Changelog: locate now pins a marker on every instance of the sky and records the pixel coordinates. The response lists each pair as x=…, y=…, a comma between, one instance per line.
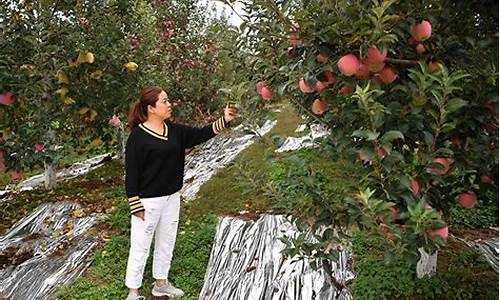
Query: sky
x=233, y=18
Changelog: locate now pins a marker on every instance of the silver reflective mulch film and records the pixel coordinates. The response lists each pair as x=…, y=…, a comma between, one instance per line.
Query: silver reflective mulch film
x=45, y=249
x=488, y=248
x=246, y=263
x=75, y=170
x=307, y=141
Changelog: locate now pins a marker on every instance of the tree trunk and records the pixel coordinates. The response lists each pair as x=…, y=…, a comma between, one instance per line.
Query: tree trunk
x=426, y=265
x=50, y=168
x=50, y=176
x=120, y=133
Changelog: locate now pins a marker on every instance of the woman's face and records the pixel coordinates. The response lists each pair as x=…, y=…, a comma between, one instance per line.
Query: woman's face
x=163, y=108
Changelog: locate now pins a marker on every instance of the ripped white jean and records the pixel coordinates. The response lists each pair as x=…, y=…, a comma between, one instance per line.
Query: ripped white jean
x=161, y=218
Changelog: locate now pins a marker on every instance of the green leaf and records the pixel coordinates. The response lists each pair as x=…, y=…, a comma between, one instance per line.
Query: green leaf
x=428, y=138
x=437, y=96
x=243, y=25
x=225, y=91
x=391, y=135
x=366, y=134
x=282, y=88
x=448, y=127
x=455, y=104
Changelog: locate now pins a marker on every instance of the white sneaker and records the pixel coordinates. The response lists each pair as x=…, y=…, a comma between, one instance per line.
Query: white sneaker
x=166, y=290
x=134, y=297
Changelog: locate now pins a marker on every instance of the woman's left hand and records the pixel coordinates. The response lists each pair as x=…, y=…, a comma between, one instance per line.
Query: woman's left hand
x=229, y=113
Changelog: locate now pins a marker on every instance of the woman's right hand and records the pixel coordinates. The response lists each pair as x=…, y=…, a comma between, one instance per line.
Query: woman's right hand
x=140, y=214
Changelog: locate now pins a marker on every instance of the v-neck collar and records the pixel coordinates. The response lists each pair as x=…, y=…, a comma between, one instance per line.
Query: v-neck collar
x=163, y=136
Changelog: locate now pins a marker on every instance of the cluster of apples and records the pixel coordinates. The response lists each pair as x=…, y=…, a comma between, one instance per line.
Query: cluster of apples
x=167, y=29
x=374, y=62
x=350, y=65
x=419, y=33
x=466, y=199
x=189, y=63
x=135, y=41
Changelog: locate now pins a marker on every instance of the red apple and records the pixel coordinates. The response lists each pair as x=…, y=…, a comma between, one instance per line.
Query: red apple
x=377, y=79
x=6, y=99
x=266, y=93
x=319, y=86
x=387, y=75
x=441, y=232
x=394, y=213
x=415, y=187
x=293, y=39
x=435, y=66
x=420, y=48
x=485, y=179
x=115, y=122
x=329, y=77
x=134, y=42
x=444, y=162
x=303, y=86
x=348, y=64
x=363, y=72
x=322, y=59
x=15, y=174
x=422, y=31
x=38, y=147
x=346, y=89
x=169, y=23
x=319, y=106
x=381, y=152
x=362, y=156
x=467, y=199
x=259, y=86
x=375, y=60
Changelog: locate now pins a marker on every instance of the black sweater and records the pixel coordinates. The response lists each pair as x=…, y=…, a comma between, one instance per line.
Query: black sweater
x=154, y=164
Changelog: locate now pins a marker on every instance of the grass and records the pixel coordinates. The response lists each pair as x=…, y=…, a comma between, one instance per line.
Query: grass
x=461, y=274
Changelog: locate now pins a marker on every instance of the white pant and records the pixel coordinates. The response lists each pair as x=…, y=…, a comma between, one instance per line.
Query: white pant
x=161, y=218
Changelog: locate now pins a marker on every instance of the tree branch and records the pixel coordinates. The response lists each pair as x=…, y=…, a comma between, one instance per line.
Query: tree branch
x=401, y=61
x=54, y=9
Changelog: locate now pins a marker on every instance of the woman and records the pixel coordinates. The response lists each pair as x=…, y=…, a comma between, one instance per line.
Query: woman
x=154, y=167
